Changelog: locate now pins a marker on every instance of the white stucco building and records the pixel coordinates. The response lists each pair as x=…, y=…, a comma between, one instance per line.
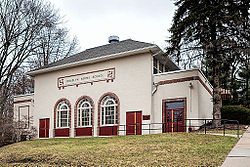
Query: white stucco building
x=101, y=90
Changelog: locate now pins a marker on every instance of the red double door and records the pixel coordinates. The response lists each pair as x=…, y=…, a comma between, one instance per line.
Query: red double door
x=134, y=123
x=174, y=117
x=44, y=128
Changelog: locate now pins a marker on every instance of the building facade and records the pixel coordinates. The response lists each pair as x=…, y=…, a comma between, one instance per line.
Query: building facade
x=114, y=89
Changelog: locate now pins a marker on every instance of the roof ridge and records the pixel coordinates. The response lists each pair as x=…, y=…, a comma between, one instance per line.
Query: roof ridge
x=142, y=42
x=107, y=45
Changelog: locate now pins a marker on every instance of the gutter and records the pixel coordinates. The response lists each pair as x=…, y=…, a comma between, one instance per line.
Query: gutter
x=23, y=95
x=178, y=71
x=157, y=53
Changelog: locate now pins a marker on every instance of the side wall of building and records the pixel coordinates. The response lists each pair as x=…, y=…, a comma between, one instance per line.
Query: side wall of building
x=24, y=109
x=186, y=86
x=205, y=98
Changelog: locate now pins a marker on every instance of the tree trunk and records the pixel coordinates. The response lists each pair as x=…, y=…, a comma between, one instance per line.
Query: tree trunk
x=247, y=82
x=217, y=102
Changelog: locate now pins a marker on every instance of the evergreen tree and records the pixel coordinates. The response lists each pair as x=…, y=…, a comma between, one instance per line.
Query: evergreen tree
x=210, y=30
x=244, y=75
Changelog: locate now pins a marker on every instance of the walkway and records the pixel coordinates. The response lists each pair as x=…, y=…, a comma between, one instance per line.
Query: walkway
x=220, y=134
x=240, y=154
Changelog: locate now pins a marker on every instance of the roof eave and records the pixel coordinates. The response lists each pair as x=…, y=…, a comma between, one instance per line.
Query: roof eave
x=94, y=60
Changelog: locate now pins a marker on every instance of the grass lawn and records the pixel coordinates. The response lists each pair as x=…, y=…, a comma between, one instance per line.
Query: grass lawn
x=171, y=149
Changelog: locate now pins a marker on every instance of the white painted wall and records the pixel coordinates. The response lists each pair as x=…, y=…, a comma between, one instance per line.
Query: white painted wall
x=205, y=100
x=199, y=103
x=132, y=84
x=24, y=106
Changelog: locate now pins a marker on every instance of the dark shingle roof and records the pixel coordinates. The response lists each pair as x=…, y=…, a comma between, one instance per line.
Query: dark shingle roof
x=105, y=50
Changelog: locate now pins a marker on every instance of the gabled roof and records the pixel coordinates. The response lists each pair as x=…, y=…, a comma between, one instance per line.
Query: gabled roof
x=109, y=50
x=100, y=51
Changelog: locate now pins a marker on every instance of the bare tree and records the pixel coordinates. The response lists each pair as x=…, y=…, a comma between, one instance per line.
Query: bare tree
x=29, y=29
x=54, y=43
x=16, y=130
x=21, y=83
x=20, y=23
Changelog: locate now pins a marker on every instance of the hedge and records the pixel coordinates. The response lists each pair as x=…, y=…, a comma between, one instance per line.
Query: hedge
x=239, y=113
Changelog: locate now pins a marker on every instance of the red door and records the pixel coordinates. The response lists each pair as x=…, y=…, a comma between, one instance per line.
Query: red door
x=44, y=128
x=134, y=123
x=174, y=117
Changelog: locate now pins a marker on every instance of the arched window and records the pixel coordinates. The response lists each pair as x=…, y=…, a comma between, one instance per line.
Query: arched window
x=62, y=111
x=109, y=109
x=84, y=113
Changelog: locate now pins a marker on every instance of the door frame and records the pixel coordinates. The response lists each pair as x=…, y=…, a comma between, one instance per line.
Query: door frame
x=135, y=111
x=45, y=128
x=164, y=101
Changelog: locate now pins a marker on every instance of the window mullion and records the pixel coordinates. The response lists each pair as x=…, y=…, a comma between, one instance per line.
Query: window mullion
x=78, y=117
x=90, y=112
x=81, y=116
x=59, y=118
x=104, y=115
x=68, y=123
x=114, y=114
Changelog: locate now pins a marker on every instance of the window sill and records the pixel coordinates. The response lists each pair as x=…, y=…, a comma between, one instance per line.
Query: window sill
x=108, y=125
x=84, y=126
x=62, y=127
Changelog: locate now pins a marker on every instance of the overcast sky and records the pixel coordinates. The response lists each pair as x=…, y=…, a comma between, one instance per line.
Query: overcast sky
x=93, y=21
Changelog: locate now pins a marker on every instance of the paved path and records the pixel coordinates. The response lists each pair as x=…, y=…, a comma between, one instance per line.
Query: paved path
x=240, y=154
x=220, y=134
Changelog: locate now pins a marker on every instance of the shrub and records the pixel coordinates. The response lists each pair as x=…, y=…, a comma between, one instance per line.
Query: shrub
x=239, y=113
x=14, y=131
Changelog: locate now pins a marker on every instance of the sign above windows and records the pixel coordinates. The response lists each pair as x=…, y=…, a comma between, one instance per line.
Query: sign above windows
x=88, y=77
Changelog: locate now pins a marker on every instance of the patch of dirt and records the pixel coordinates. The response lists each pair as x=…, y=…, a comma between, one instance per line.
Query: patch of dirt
x=24, y=160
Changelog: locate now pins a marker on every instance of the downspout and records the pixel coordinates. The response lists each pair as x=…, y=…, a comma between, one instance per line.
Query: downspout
x=155, y=85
